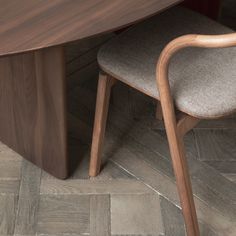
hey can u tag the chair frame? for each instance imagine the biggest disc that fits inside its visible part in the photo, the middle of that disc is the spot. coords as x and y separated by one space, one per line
176 126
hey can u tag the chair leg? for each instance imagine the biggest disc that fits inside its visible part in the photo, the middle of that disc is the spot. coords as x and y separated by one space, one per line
183 184
158 114
105 84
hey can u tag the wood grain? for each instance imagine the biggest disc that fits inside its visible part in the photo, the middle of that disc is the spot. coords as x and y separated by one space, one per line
143 215
147 162
216 145
28 200
8 205
72 187
10 169
67 214
40 24
105 84
172 218
100 218
32 108
9 187
175 129
206 181
136 163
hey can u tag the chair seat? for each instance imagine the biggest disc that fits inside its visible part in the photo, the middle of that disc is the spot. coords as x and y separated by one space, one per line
203 81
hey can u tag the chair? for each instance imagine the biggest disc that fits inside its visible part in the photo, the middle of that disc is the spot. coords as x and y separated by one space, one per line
195 75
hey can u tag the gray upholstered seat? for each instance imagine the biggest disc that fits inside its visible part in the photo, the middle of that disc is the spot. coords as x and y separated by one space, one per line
203 81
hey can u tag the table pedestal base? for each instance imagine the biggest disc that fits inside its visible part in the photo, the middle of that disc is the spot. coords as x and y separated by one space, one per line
33 108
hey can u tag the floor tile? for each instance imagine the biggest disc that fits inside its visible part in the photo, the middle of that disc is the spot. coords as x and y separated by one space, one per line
136 214
216 145
63 214
100 218
8 204
172 219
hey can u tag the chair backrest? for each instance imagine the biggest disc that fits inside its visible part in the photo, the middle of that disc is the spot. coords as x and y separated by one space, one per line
205 41
192 40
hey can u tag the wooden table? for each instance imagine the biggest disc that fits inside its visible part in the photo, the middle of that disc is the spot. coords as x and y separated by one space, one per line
32 68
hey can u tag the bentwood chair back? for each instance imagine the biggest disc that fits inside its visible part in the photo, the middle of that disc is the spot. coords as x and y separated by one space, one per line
183 60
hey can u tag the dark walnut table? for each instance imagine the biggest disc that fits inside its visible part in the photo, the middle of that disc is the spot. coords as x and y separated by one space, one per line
32 68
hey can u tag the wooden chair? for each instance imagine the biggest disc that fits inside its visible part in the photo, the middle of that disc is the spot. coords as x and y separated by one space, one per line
198 81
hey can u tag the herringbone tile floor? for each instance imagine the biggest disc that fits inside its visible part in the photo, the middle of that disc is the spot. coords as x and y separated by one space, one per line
135 194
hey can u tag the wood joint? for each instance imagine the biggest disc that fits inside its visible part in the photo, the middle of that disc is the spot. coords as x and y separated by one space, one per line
112 80
185 123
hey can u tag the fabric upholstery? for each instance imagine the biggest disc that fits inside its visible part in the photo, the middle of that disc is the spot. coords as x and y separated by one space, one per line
203 81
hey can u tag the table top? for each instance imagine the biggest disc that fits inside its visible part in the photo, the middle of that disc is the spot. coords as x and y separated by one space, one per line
27 25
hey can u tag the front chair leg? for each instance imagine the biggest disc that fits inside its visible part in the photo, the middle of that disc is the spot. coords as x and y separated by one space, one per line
105 84
180 166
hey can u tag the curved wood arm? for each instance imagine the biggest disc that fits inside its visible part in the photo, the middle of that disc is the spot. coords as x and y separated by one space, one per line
175 131
204 41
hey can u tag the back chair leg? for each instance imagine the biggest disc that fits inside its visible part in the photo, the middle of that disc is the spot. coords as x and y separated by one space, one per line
183 184
105 84
158 114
